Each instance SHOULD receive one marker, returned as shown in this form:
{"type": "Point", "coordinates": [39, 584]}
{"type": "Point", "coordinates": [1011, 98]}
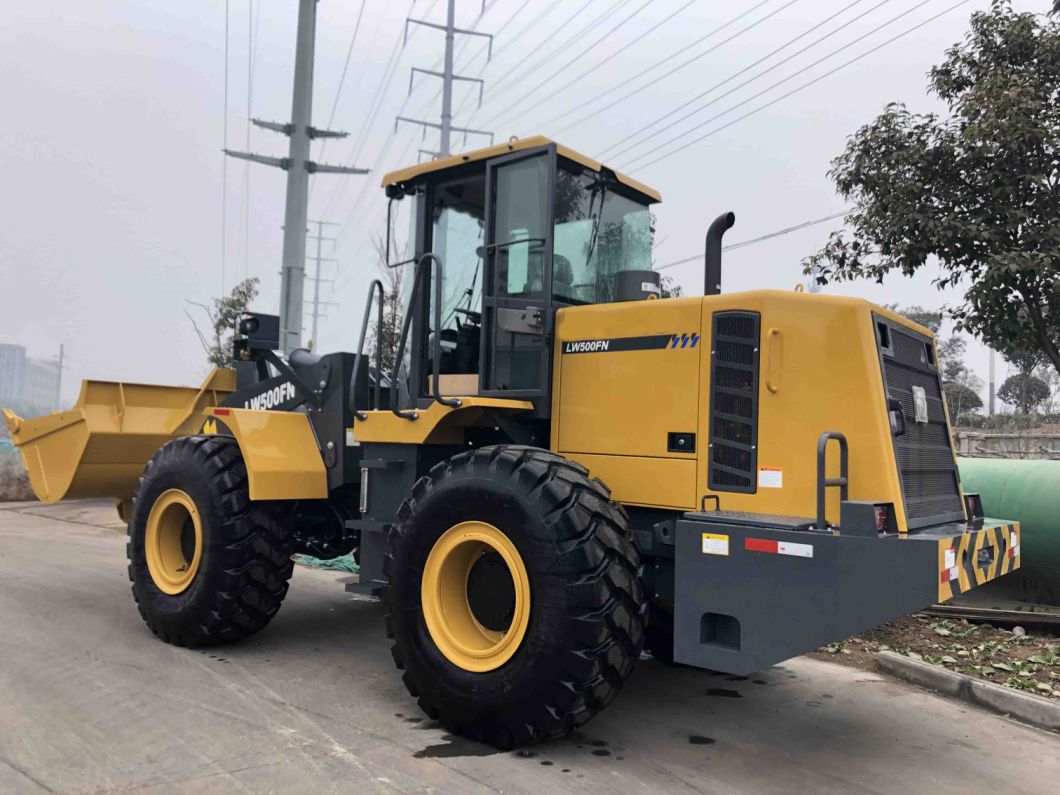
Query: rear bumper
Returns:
{"type": "Point", "coordinates": [749, 597]}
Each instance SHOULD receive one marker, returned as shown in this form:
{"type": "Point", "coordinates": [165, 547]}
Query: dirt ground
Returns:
{"type": "Point", "coordinates": [1028, 661]}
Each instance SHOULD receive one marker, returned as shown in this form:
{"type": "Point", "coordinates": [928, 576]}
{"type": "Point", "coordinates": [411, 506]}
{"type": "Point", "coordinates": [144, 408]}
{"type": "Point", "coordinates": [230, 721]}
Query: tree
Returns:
{"type": "Point", "coordinates": [961, 400]}
{"type": "Point", "coordinates": [224, 315]}
{"type": "Point", "coordinates": [959, 384]}
{"type": "Point", "coordinates": [928, 318]}
{"type": "Point", "coordinates": [393, 280]}
{"type": "Point", "coordinates": [1024, 391]}
{"type": "Point", "coordinates": [669, 288]}
{"type": "Point", "coordinates": [951, 358]}
{"type": "Point", "coordinates": [1027, 363]}
{"type": "Point", "coordinates": [977, 191]}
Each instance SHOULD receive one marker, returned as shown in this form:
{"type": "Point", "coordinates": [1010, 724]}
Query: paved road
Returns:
{"type": "Point", "coordinates": [91, 702]}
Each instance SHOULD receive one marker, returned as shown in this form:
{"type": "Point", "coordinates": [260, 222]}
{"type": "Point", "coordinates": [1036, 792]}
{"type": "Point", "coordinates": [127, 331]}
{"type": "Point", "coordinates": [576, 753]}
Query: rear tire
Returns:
{"type": "Point", "coordinates": [207, 565]}
{"type": "Point", "coordinates": [575, 637]}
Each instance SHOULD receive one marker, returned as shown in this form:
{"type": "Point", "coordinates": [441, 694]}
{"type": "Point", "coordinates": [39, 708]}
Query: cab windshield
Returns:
{"type": "Point", "coordinates": [597, 233]}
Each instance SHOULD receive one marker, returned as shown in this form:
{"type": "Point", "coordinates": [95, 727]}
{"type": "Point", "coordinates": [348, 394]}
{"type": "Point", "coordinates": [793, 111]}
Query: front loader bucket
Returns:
{"type": "Point", "coordinates": [100, 447]}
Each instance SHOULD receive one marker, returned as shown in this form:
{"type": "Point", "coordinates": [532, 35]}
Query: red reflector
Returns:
{"type": "Point", "coordinates": [882, 512]}
{"type": "Point", "coordinates": [221, 412]}
{"type": "Point", "coordinates": [759, 545]}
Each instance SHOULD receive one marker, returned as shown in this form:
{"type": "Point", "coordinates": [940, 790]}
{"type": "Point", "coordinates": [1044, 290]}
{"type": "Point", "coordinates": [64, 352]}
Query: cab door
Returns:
{"type": "Point", "coordinates": [518, 289]}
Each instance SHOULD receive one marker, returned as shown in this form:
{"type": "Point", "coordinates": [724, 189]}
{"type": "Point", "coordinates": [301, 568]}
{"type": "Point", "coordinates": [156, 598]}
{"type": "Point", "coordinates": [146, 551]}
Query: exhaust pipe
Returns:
{"type": "Point", "coordinates": [722, 224]}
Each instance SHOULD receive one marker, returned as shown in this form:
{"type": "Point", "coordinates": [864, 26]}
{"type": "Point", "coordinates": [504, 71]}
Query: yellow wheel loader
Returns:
{"type": "Point", "coordinates": [555, 469]}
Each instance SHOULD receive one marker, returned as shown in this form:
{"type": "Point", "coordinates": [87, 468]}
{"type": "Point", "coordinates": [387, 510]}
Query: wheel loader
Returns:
{"type": "Point", "coordinates": [555, 470]}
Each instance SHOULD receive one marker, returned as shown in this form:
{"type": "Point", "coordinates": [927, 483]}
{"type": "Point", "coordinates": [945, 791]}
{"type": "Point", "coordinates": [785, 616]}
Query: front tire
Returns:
{"type": "Point", "coordinates": [207, 565]}
{"type": "Point", "coordinates": [514, 602]}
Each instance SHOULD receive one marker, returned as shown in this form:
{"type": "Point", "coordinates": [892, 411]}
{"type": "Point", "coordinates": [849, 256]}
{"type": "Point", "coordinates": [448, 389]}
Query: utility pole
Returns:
{"type": "Point", "coordinates": [59, 381]}
{"type": "Point", "coordinates": [990, 396]}
{"type": "Point", "coordinates": [298, 167]}
{"type": "Point", "coordinates": [445, 126]}
{"type": "Point", "coordinates": [316, 279]}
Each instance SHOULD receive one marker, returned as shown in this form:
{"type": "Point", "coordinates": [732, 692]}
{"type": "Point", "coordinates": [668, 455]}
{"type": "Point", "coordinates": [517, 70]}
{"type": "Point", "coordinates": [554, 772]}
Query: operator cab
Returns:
{"type": "Point", "coordinates": [522, 230]}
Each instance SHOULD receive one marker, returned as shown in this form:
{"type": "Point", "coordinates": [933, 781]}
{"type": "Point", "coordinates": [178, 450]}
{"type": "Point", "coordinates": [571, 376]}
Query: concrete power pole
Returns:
{"type": "Point", "coordinates": [298, 167]}
{"type": "Point", "coordinates": [317, 279]}
{"type": "Point", "coordinates": [445, 126]}
{"type": "Point", "coordinates": [59, 381]}
{"type": "Point", "coordinates": [991, 394]}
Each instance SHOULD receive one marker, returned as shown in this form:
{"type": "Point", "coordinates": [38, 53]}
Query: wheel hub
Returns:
{"type": "Point", "coordinates": [173, 542]}
{"type": "Point", "coordinates": [491, 592]}
{"type": "Point", "coordinates": [475, 595]}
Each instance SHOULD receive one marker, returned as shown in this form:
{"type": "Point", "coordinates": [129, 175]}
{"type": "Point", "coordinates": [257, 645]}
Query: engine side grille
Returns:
{"type": "Point", "coordinates": [734, 402]}
{"type": "Point", "coordinates": [930, 482]}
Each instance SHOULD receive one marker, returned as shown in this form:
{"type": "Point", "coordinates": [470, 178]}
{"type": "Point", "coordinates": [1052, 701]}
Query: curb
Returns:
{"type": "Point", "coordinates": [1026, 707]}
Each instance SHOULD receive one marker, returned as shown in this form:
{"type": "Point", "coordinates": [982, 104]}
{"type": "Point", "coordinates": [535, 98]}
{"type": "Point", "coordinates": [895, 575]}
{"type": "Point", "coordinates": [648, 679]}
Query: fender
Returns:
{"type": "Point", "coordinates": [280, 450]}
{"type": "Point", "coordinates": [436, 424]}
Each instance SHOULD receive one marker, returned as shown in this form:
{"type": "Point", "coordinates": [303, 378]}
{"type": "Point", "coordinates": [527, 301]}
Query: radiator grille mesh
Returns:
{"type": "Point", "coordinates": [734, 401]}
{"type": "Point", "coordinates": [930, 483]}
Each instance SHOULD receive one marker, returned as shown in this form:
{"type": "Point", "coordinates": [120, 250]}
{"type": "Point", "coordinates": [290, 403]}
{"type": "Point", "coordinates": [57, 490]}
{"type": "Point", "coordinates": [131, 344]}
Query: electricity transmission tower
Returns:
{"type": "Point", "coordinates": [445, 126]}
{"type": "Point", "coordinates": [298, 167]}
{"type": "Point", "coordinates": [317, 279]}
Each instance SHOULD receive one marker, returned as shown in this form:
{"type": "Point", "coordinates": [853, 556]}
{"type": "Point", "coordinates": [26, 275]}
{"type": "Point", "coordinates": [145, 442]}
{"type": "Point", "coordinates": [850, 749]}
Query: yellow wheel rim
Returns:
{"type": "Point", "coordinates": [173, 542]}
{"type": "Point", "coordinates": [450, 611]}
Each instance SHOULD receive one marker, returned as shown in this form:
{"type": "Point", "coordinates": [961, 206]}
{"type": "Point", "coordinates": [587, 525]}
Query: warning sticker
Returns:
{"type": "Point", "coordinates": [770, 478]}
{"type": "Point", "coordinates": [715, 544]}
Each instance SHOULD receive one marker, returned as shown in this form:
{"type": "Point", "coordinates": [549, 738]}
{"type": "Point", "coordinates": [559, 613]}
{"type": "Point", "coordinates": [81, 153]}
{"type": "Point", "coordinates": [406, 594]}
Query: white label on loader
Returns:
{"type": "Point", "coordinates": [951, 558]}
{"type": "Point", "coordinates": [797, 550]}
{"type": "Point", "coordinates": [715, 544]}
{"type": "Point", "coordinates": [920, 407]}
{"type": "Point", "coordinates": [770, 478]}
{"type": "Point", "coordinates": [350, 441]}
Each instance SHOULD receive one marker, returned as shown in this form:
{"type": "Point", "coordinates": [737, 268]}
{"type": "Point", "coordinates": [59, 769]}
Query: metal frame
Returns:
{"type": "Point", "coordinates": [436, 348]}
{"type": "Point", "coordinates": [491, 302]}
{"type": "Point", "coordinates": [889, 352]}
{"type": "Point", "coordinates": [755, 369]}
{"type": "Point", "coordinates": [824, 482]}
{"type": "Point", "coordinates": [360, 415]}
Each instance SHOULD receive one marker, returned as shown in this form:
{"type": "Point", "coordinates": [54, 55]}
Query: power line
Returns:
{"type": "Point", "coordinates": [469, 97]}
{"type": "Point", "coordinates": [374, 107]}
{"type": "Point", "coordinates": [383, 153]}
{"type": "Point", "coordinates": [224, 165]}
{"type": "Point", "coordinates": [530, 68]}
{"type": "Point", "coordinates": [252, 53]}
{"type": "Point", "coordinates": [799, 88]}
{"type": "Point", "coordinates": [553, 92]}
{"type": "Point", "coordinates": [342, 77]}
{"type": "Point", "coordinates": [569, 63]}
{"type": "Point", "coordinates": [448, 77]}
{"type": "Point", "coordinates": [752, 241]}
{"type": "Point", "coordinates": [746, 69]}
{"type": "Point", "coordinates": [820, 60]}
{"type": "Point", "coordinates": [353, 217]}
{"type": "Point", "coordinates": [678, 68]}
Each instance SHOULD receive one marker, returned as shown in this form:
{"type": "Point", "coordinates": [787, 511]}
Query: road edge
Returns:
{"type": "Point", "coordinates": [1024, 707]}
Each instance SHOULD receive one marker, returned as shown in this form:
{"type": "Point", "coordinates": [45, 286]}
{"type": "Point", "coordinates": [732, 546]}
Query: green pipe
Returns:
{"type": "Point", "coordinates": [1027, 491]}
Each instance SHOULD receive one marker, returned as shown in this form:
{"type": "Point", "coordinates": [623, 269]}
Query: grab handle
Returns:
{"type": "Point", "coordinates": [773, 359]}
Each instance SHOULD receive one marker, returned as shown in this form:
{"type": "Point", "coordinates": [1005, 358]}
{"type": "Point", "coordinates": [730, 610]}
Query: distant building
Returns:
{"type": "Point", "coordinates": [12, 373]}
{"type": "Point", "coordinates": [41, 384]}
{"type": "Point", "coordinates": [28, 383]}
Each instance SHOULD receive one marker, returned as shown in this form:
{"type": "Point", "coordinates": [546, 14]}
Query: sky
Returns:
{"type": "Point", "coordinates": [118, 211]}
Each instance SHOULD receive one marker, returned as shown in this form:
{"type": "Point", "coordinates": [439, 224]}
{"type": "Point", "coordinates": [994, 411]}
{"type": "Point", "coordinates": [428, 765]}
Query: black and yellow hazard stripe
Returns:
{"type": "Point", "coordinates": [964, 561]}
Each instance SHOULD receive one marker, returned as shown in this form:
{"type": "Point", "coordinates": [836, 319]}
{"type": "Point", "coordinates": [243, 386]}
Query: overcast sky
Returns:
{"type": "Point", "coordinates": [113, 123]}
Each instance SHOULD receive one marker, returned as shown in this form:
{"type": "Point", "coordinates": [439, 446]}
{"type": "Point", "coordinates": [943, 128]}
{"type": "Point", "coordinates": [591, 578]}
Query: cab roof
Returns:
{"type": "Point", "coordinates": [515, 145]}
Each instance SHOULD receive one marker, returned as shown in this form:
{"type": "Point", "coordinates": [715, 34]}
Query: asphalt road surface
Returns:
{"type": "Point", "coordinates": [90, 701]}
